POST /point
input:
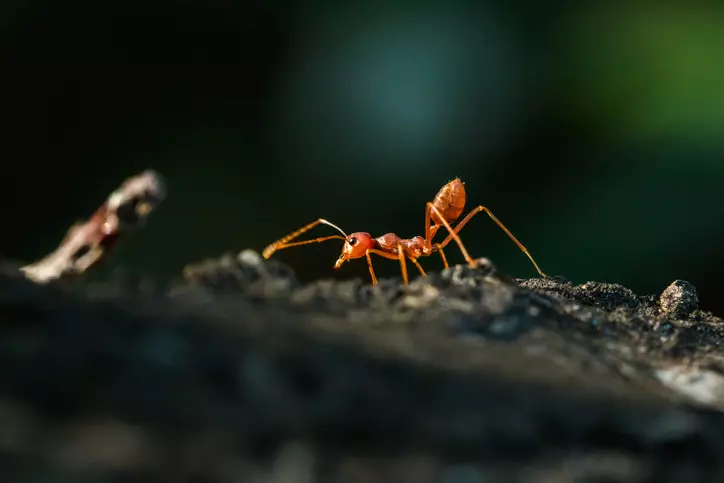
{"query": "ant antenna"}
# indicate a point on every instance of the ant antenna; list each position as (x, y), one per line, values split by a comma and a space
(322, 220)
(282, 242)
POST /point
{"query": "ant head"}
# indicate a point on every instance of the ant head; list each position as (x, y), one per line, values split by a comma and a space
(355, 246)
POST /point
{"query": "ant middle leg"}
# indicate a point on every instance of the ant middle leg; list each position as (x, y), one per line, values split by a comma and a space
(403, 265)
(474, 212)
(419, 267)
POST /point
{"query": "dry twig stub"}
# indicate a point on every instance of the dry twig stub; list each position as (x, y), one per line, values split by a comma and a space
(88, 243)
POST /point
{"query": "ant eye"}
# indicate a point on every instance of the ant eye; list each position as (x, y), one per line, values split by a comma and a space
(352, 241)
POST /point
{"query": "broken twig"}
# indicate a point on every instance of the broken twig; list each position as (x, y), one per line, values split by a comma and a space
(88, 243)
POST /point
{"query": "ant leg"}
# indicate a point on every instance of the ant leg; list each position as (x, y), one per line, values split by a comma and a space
(477, 210)
(372, 270)
(429, 234)
(419, 267)
(453, 234)
(403, 265)
(391, 256)
(282, 242)
(442, 255)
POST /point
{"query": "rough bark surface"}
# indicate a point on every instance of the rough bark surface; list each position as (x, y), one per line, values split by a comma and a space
(235, 372)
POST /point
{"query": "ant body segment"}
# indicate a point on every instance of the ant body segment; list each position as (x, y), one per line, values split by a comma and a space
(445, 209)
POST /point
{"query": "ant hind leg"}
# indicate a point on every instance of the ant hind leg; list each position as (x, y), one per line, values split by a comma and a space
(453, 234)
(477, 210)
(442, 255)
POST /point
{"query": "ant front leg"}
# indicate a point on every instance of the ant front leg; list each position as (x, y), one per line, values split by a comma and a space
(400, 255)
(372, 270)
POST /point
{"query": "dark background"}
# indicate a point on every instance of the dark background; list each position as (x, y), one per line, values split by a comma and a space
(594, 133)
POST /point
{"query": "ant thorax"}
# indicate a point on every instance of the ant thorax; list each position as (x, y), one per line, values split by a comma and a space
(388, 242)
(413, 247)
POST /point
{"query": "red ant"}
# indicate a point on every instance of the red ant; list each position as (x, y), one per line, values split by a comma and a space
(446, 207)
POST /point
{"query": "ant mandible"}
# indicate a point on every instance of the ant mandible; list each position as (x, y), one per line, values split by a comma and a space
(446, 207)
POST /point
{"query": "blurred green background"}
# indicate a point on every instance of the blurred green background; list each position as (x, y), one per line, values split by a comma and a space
(593, 130)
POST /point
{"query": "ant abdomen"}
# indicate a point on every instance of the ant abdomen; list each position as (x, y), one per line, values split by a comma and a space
(450, 202)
